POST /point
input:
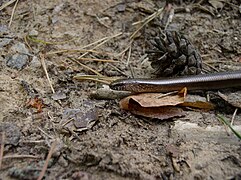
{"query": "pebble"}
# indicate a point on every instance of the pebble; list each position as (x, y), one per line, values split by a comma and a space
(33, 32)
(18, 60)
(35, 63)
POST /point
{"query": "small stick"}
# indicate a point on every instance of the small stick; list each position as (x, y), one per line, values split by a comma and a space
(148, 19)
(46, 72)
(79, 50)
(233, 117)
(7, 4)
(11, 19)
(129, 55)
(99, 60)
(212, 67)
(101, 42)
(2, 148)
(117, 69)
(87, 67)
(47, 160)
(16, 156)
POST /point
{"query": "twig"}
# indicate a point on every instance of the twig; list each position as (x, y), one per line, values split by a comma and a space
(212, 67)
(147, 20)
(11, 19)
(47, 160)
(129, 55)
(87, 67)
(2, 148)
(16, 156)
(126, 49)
(33, 39)
(46, 72)
(103, 24)
(234, 115)
(44, 133)
(79, 50)
(118, 70)
(7, 4)
(99, 43)
(99, 60)
(101, 79)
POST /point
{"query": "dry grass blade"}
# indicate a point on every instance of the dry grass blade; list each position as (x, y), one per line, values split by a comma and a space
(79, 50)
(99, 60)
(86, 67)
(47, 160)
(7, 4)
(99, 43)
(146, 21)
(16, 156)
(101, 79)
(2, 149)
(129, 54)
(11, 19)
(46, 72)
(47, 42)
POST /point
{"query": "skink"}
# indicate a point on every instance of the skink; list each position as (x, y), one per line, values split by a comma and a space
(196, 82)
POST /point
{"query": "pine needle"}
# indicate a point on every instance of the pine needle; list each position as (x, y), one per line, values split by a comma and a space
(46, 72)
(47, 160)
(11, 19)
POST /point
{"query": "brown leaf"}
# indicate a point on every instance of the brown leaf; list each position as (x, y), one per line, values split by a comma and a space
(232, 98)
(197, 102)
(35, 103)
(153, 100)
(155, 105)
(162, 113)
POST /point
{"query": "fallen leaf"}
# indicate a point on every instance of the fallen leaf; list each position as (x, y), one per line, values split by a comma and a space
(153, 100)
(80, 119)
(35, 103)
(232, 98)
(162, 113)
(217, 4)
(162, 106)
(195, 101)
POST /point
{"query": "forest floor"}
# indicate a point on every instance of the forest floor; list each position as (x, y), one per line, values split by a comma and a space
(90, 138)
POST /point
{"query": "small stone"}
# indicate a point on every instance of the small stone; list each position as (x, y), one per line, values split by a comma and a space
(33, 32)
(121, 7)
(20, 59)
(35, 63)
(17, 61)
(12, 133)
(20, 48)
(59, 96)
(4, 41)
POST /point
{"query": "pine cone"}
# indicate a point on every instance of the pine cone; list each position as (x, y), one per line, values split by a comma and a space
(174, 56)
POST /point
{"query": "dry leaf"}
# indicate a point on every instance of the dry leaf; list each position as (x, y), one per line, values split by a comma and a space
(155, 105)
(154, 99)
(162, 113)
(217, 4)
(232, 98)
(35, 103)
(197, 102)
(161, 106)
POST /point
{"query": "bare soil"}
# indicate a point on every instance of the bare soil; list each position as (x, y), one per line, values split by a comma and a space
(105, 142)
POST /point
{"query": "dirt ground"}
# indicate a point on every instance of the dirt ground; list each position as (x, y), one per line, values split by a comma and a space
(90, 138)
